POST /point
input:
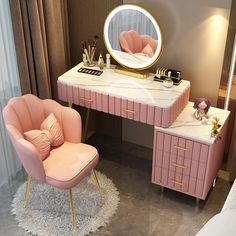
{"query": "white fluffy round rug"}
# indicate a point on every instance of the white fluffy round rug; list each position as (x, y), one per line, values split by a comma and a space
(48, 210)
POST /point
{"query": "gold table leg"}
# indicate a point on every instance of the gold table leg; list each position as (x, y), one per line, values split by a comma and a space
(162, 189)
(197, 201)
(86, 126)
(72, 209)
(27, 191)
(98, 184)
(70, 104)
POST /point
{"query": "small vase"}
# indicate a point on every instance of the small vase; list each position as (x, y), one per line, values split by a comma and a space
(101, 62)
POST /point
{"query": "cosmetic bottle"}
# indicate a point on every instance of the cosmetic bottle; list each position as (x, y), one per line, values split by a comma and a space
(168, 82)
(108, 61)
(100, 62)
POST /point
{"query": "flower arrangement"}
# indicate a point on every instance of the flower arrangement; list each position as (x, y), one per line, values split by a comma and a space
(215, 133)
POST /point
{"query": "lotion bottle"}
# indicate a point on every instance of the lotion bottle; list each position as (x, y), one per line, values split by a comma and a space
(100, 62)
(108, 61)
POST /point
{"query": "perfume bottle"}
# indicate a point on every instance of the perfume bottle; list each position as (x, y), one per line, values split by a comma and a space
(100, 62)
(168, 82)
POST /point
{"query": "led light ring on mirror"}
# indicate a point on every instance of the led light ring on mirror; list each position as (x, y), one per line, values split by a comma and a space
(137, 66)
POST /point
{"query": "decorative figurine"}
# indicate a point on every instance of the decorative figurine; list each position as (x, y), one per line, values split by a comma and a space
(202, 105)
(215, 133)
(100, 62)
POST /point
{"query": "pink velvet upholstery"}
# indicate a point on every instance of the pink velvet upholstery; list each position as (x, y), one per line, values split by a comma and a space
(132, 42)
(41, 139)
(51, 125)
(146, 39)
(66, 161)
(67, 164)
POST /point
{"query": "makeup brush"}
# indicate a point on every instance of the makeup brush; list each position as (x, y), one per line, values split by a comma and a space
(84, 44)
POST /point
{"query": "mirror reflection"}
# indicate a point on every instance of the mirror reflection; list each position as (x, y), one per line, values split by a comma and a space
(132, 32)
(132, 36)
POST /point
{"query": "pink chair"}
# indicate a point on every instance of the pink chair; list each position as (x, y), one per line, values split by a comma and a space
(132, 42)
(67, 164)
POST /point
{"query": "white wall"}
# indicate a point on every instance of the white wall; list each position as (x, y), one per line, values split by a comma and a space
(194, 33)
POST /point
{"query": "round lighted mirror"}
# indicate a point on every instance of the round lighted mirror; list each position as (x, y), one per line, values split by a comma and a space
(133, 37)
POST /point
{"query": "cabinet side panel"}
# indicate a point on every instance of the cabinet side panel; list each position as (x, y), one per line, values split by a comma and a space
(214, 161)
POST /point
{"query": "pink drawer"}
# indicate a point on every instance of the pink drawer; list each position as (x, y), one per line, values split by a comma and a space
(180, 147)
(127, 109)
(132, 110)
(101, 102)
(84, 98)
(180, 164)
(178, 182)
(198, 169)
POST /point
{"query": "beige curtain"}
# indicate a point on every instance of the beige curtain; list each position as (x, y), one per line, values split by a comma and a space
(42, 44)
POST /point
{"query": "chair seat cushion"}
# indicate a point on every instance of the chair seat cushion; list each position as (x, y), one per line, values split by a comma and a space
(69, 163)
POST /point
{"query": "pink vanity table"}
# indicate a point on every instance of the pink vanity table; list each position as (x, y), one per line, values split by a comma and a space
(148, 101)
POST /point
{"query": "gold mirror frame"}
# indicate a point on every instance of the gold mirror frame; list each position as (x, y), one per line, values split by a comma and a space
(132, 66)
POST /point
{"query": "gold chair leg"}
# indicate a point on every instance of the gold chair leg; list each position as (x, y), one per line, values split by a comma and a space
(27, 191)
(98, 184)
(70, 104)
(72, 209)
(86, 125)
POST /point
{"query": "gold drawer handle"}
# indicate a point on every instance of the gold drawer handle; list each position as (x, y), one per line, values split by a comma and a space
(130, 111)
(86, 99)
(181, 148)
(176, 182)
(177, 165)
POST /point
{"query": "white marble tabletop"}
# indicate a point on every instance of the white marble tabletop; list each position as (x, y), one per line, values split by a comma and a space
(188, 126)
(145, 91)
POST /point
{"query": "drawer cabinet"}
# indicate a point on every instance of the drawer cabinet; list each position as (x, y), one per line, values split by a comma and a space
(179, 163)
(121, 106)
(184, 162)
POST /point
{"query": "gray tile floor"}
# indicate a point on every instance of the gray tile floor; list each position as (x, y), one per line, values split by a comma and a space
(143, 209)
